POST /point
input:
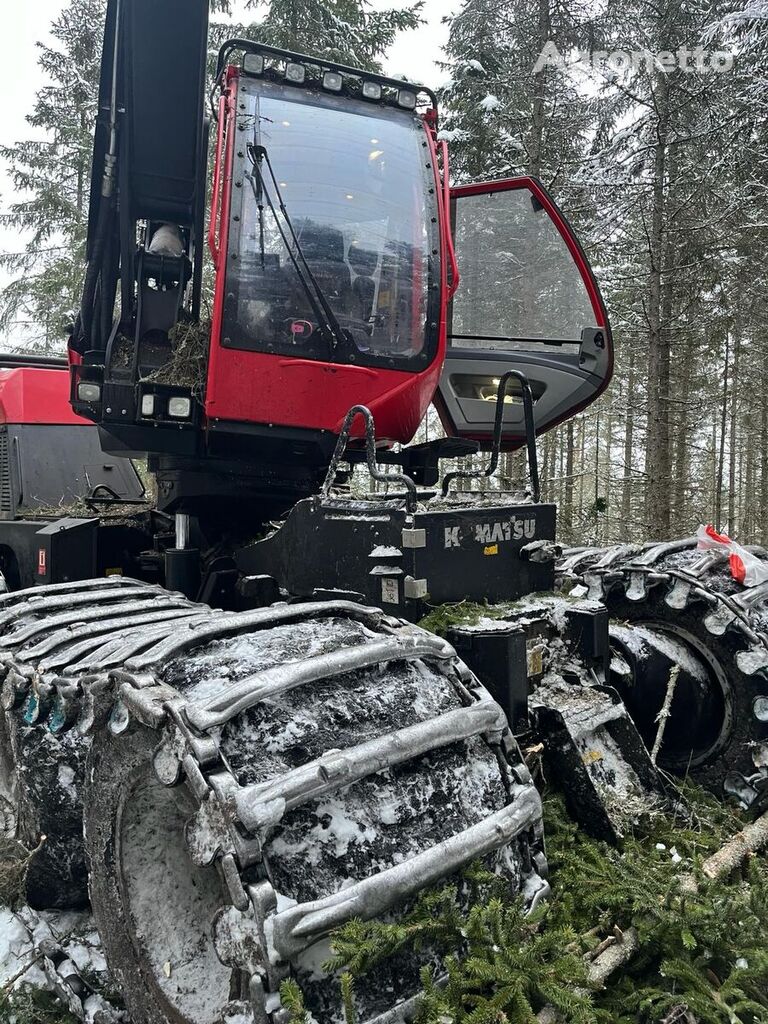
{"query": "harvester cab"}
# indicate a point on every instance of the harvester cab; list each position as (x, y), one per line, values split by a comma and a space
(338, 281)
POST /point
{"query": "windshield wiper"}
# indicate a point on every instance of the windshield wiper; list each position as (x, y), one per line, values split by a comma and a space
(330, 327)
(258, 192)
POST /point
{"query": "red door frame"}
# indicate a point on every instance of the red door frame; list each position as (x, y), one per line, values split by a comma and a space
(566, 232)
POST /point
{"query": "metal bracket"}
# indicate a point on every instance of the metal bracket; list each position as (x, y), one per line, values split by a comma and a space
(414, 538)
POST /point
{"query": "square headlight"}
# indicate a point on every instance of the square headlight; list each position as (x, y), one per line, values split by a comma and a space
(407, 98)
(253, 63)
(180, 408)
(332, 81)
(371, 91)
(88, 392)
(295, 73)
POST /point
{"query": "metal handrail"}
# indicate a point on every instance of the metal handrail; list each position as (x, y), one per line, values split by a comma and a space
(530, 438)
(411, 495)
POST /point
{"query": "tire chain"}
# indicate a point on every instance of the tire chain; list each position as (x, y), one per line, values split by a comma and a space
(110, 684)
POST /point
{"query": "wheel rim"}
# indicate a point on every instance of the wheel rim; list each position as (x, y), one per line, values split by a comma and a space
(170, 903)
(701, 716)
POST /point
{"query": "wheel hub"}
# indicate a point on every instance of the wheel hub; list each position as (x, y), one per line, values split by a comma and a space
(644, 661)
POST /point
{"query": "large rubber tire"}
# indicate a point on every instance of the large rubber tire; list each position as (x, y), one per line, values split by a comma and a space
(713, 733)
(181, 899)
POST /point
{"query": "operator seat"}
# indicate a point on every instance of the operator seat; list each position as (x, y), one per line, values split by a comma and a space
(323, 249)
(364, 264)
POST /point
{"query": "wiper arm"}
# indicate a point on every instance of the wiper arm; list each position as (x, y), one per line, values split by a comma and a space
(261, 192)
(258, 192)
(329, 324)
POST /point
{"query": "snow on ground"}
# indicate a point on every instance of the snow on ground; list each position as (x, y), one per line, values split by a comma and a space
(57, 952)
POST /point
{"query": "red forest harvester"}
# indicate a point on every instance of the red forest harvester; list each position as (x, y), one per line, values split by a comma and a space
(259, 752)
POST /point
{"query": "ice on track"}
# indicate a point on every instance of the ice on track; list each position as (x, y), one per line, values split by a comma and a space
(752, 661)
(67, 782)
(210, 671)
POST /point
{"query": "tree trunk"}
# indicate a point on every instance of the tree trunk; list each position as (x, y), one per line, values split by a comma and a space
(748, 489)
(657, 462)
(607, 474)
(539, 109)
(582, 465)
(732, 453)
(680, 444)
(763, 524)
(629, 440)
(723, 424)
(567, 507)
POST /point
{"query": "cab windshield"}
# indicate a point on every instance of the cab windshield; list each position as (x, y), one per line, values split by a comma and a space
(353, 180)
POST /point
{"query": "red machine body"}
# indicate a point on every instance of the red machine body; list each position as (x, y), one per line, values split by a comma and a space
(33, 395)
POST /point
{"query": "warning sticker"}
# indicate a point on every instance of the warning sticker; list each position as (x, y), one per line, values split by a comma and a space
(491, 549)
(535, 652)
(42, 562)
(390, 592)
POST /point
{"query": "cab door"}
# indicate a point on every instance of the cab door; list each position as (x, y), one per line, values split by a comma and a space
(528, 301)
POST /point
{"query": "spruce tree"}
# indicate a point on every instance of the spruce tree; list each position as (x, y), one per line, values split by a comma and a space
(344, 31)
(502, 114)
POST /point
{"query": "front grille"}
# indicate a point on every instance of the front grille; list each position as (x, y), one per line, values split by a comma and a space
(6, 490)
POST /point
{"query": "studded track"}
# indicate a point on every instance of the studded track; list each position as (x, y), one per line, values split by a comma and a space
(676, 602)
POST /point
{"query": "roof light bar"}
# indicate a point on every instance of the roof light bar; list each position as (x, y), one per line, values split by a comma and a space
(299, 68)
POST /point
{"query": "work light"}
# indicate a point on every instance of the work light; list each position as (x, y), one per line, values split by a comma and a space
(295, 73)
(180, 408)
(88, 392)
(371, 91)
(253, 63)
(332, 81)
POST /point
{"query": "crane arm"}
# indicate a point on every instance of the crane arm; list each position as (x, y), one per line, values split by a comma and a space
(150, 153)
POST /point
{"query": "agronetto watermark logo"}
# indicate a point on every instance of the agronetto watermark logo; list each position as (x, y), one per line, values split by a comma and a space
(693, 60)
